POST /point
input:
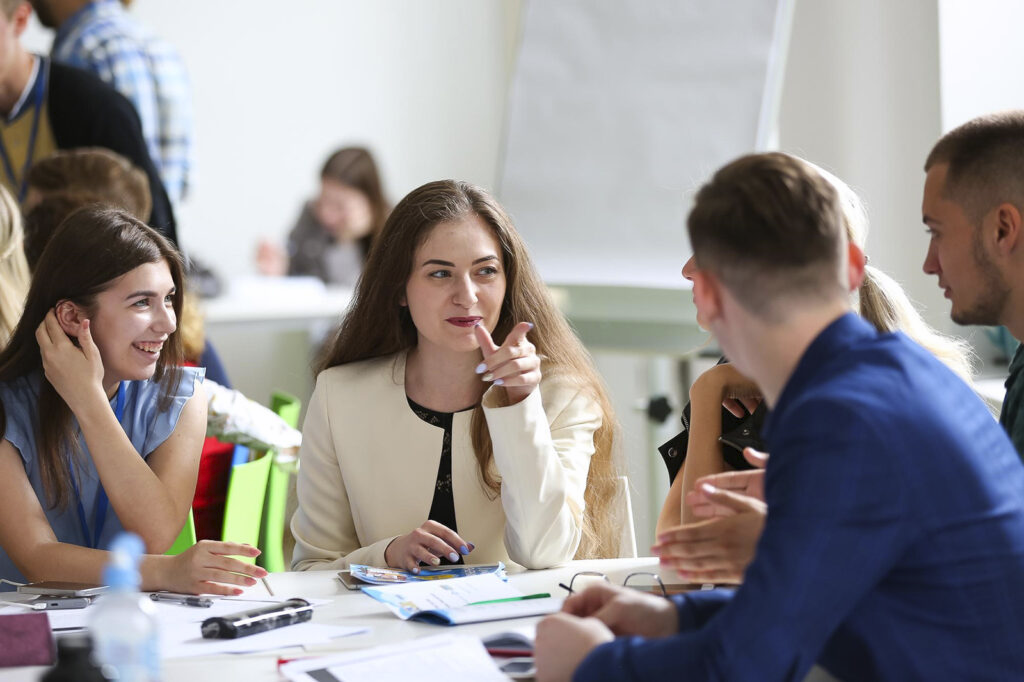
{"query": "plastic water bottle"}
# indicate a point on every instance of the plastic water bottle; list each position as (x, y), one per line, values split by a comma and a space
(123, 625)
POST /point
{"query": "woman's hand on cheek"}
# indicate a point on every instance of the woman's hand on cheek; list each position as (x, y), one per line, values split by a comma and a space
(514, 364)
(76, 372)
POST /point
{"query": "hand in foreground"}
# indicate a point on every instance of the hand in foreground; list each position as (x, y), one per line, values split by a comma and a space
(724, 383)
(207, 568)
(717, 550)
(76, 372)
(426, 543)
(625, 611)
(702, 499)
(271, 259)
(562, 642)
(514, 364)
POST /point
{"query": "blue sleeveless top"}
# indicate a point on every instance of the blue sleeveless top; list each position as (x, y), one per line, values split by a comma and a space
(145, 426)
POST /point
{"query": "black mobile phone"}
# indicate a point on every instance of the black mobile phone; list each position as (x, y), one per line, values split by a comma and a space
(54, 588)
(349, 581)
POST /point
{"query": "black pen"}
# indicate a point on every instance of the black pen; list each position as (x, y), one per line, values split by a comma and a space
(183, 599)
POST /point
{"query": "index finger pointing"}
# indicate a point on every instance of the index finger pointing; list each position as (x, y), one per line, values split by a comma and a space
(518, 334)
(483, 337)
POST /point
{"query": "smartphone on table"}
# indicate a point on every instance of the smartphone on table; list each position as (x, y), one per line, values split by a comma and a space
(55, 588)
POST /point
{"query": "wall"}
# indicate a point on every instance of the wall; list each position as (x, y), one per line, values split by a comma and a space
(278, 85)
(861, 98)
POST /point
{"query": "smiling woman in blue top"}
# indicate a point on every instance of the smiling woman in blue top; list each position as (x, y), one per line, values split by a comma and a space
(456, 414)
(100, 427)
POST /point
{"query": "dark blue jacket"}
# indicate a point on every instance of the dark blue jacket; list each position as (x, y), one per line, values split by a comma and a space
(894, 543)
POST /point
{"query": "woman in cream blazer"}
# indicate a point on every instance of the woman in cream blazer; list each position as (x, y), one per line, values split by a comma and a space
(451, 321)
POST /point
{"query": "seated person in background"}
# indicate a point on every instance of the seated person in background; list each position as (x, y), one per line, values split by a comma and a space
(436, 423)
(333, 234)
(14, 272)
(894, 549)
(100, 428)
(715, 436)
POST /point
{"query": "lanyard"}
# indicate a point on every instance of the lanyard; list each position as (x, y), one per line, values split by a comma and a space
(37, 105)
(101, 494)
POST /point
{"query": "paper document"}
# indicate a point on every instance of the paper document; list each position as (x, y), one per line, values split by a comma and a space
(456, 601)
(463, 656)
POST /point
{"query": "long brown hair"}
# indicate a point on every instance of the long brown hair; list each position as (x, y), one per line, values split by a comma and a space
(367, 332)
(355, 167)
(91, 249)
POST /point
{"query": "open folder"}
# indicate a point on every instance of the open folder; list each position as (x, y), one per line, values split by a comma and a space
(456, 601)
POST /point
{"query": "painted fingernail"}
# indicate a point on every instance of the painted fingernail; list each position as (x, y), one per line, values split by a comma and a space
(708, 488)
(471, 546)
(250, 581)
(499, 382)
(464, 549)
(453, 557)
(482, 367)
(237, 591)
(488, 376)
(416, 569)
(531, 324)
(478, 323)
(435, 560)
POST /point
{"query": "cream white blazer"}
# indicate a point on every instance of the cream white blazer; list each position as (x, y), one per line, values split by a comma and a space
(369, 465)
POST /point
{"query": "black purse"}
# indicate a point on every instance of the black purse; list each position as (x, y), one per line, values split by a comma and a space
(737, 433)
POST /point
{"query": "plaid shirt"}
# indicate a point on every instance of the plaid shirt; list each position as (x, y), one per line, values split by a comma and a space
(103, 39)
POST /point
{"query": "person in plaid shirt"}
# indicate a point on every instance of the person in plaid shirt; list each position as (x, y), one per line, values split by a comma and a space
(99, 36)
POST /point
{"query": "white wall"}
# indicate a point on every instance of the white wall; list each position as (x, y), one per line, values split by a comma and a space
(278, 85)
(861, 98)
(980, 58)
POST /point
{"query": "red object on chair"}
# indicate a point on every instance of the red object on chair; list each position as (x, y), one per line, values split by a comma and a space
(212, 488)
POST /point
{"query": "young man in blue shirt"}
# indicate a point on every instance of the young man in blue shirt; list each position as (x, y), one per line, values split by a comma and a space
(894, 544)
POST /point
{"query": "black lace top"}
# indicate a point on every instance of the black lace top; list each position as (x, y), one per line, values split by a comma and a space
(442, 508)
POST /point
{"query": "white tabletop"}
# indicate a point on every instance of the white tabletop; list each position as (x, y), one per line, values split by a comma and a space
(349, 608)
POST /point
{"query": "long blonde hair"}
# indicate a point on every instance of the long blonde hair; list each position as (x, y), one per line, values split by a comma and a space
(377, 325)
(14, 274)
(882, 301)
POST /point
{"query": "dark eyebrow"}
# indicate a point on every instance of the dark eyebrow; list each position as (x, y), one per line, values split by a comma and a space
(436, 261)
(147, 294)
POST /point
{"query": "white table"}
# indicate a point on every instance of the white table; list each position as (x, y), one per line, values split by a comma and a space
(349, 608)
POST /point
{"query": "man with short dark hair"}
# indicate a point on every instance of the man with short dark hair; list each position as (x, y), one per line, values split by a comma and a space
(45, 106)
(973, 201)
(894, 544)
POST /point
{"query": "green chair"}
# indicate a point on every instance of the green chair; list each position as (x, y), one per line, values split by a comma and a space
(272, 532)
(243, 508)
(186, 538)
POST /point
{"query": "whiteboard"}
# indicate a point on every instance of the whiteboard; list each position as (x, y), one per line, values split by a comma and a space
(618, 112)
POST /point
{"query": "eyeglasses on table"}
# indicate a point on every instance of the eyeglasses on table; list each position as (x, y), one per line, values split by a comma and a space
(642, 580)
